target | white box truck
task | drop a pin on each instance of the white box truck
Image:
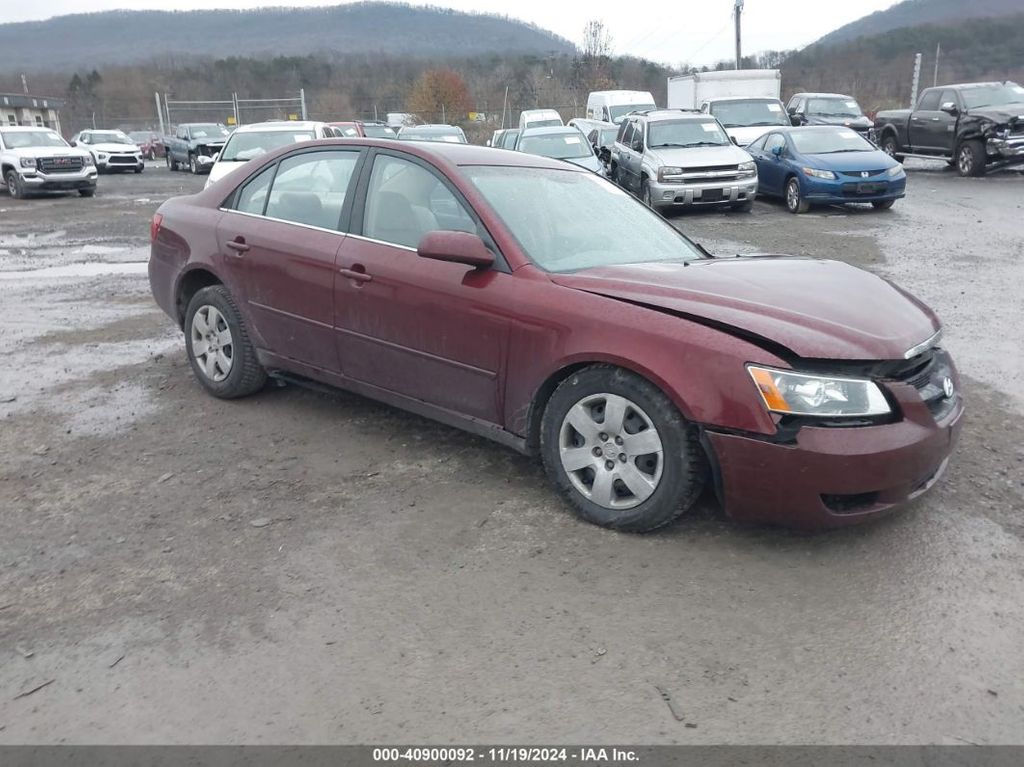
(745, 101)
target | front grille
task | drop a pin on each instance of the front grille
(122, 159)
(928, 374)
(707, 174)
(858, 173)
(59, 164)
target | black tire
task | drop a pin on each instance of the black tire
(890, 147)
(970, 159)
(87, 192)
(14, 187)
(683, 467)
(172, 164)
(613, 174)
(140, 168)
(152, 154)
(193, 165)
(883, 204)
(645, 196)
(246, 375)
(795, 201)
(743, 207)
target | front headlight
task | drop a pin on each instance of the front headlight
(789, 393)
(748, 168)
(896, 170)
(668, 170)
(815, 173)
(101, 156)
(28, 162)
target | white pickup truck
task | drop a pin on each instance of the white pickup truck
(38, 159)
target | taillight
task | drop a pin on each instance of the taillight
(154, 226)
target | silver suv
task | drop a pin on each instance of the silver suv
(671, 158)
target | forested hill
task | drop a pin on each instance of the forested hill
(913, 13)
(119, 37)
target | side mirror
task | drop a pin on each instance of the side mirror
(949, 108)
(73, 143)
(796, 120)
(733, 139)
(777, 150)
(792, 110)
(456, 247)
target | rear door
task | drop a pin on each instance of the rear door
(281, 235)
(430, 330)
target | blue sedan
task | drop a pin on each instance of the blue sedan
(825, 165)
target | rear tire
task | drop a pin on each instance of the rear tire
(970, 159)
(612, 408)
(217, 343)
(795, 202)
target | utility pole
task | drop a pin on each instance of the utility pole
(739, 46)
(938, 53)
(917, 81)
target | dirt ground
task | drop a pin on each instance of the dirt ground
(307, 568)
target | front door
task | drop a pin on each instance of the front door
(282, 237)
(431, 330)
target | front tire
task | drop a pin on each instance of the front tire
(87, 192)
(140, 168)
(743, 207)
(620, 451)
(172, 164)
(795, 202)
(14, 187)
(193, 166)
(891, 148)
(218, 345)
(970, 159)
(883, 204)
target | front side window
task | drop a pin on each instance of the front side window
(404, 201)
(310, 188)
(773, 141)
(568, 220)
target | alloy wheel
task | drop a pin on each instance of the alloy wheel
(965, 161)
(212, 345)
(793, 195)
(611, 451)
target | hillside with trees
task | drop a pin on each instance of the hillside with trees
(123, 37)
(914, 13)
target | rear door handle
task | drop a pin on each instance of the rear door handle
(355, 275)
(238, 245)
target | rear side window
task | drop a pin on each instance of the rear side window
(929, 101)
(310, 188)
(253, 197)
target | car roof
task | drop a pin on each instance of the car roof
(655, 115)
(821, 95)
(544, 110)
(966, 86)
(278, 125)
(743, 98)
(26, 128)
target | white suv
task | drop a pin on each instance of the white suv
(38, 159)
(111, 150)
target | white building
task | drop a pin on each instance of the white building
(23, 109)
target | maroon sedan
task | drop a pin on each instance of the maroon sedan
(536, 304)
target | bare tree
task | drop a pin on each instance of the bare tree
(597, 40)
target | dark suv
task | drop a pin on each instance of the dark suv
(830, 109)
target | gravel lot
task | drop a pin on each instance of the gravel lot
(308, 568)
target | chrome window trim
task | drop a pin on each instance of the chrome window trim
(284, 221)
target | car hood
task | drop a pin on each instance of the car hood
(750, 134)
(221, 168)
(684, 157)
(590, 163)
(851, 161)
(857, 123)
(1001, 114)
(218, 141)
(115, 148)
(817, 309)
(47, 151)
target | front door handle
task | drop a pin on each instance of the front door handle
(238, 245)
(356, 275)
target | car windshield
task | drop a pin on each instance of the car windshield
(566, 220)
(560, 146)
(814, 141)
(248, 146)
(833, 107)
(24, 139)
(685, 133)
(378, 131)
(551, 123)
(208, 130)
(109, 137)
(620, 111)
(992, 95)
(749, 112)
(450, 136)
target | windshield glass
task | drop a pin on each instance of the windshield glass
(620, 111)
(686, 133)
(749, 112)
(378, 131)
(834, 107)
(566, 220)
(814, 141)
(24, 139)
(248, 146)
(992, 95)
(109, 137)
(561, 146)
(208, 130)
(450, 136)
(552, 123)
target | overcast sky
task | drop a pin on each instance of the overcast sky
(693, 31)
